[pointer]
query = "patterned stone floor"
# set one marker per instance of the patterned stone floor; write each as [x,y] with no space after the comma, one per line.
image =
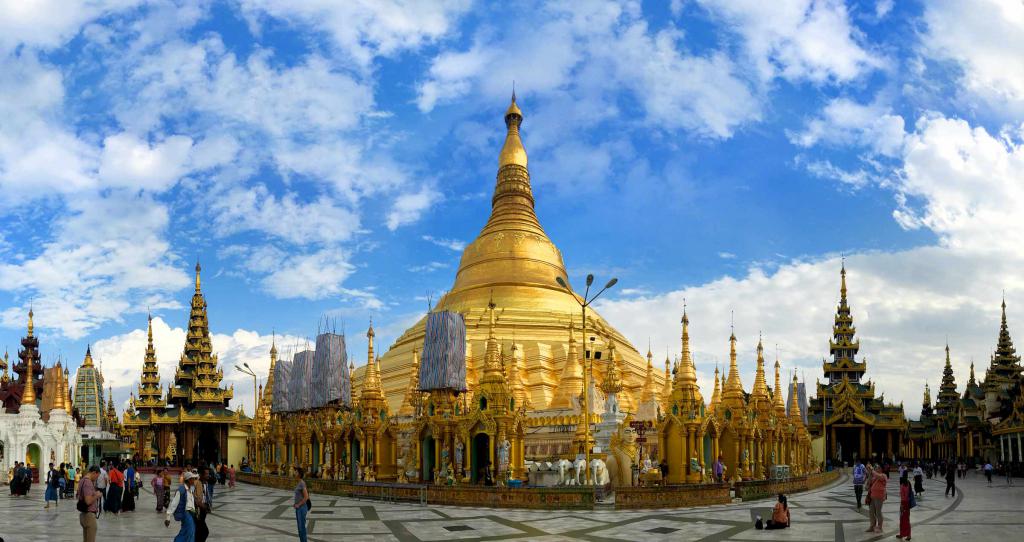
[251,514]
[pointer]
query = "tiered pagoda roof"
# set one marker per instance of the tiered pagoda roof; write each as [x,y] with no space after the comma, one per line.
[843,347]
[150,393]
[946,403]
[1004,372]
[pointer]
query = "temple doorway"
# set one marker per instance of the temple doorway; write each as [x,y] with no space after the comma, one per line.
[33,455]
[847,446]
[480,457]
[315,464]
[207,446]
[428,452]
[354,453]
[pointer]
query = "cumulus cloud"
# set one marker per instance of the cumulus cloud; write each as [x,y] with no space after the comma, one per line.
[408,207]
[590,50]
[108,257]
[364,30]
[984,38]
[129,162]
[810,40]
[844,122]
[50,23]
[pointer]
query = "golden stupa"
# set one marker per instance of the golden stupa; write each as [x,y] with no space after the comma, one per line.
[514,264]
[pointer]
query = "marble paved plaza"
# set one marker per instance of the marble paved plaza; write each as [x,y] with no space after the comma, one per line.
[253,513]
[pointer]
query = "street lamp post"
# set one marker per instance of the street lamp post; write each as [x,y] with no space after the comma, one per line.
[255,407]
[585,302]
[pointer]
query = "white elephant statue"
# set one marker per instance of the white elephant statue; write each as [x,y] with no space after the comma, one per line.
[564,467]
[579,476]
[599,472]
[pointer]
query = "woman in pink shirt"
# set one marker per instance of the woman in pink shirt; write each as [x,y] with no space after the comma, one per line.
[876,492]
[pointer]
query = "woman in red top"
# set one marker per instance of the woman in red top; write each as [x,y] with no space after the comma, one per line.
[114,491]
[876,492]
[904,509]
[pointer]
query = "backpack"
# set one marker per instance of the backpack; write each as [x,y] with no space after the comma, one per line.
[913,501]
[309,504]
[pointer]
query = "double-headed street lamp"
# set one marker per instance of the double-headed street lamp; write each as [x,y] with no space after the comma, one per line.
[585,302]
[255,407]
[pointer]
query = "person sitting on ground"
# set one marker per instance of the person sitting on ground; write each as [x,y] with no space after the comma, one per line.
[780,515]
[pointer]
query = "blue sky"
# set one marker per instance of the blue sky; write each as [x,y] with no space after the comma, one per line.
[325,158]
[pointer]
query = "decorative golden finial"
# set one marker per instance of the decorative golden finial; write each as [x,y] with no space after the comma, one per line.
[842,287]
[32,327]
[780,405]
[760,390]
[513,151]
[198,269]
[28,394]
[58,389]
[794,405]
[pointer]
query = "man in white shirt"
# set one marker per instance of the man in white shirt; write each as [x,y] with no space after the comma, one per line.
[102,481]
[183,507]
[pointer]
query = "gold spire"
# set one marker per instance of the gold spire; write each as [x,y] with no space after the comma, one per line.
[687,371]
[927,396]
[716,396]
[972,381]
[68,406]
[666,389]
[780,405]
[647,393]
[612,382]
[32,327]
[412,390]
[88,356]
[28,394]
[760,391]
[58,391]
[513,151]
[198,269]
[732,391]
[571,383]
[794,404]
[842,286]
[6,376]
[371,377]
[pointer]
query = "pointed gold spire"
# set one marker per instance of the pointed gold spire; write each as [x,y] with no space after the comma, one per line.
[512,152]
[32,326]
[58,390]
[794,404]
[780,404]
[88,356]
[371,377]
[760,391]
[732,391]
[570,386]
[716,395]
[28,393]
[927,402]
[612,381]
[198,269]
[647,393]
[68,405]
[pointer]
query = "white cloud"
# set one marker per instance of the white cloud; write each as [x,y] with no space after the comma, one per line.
[450,244]
[811,40]
[883,7]
[365,30]
[130,162]
[317,275]
[408,207]
[727,255]
[49,23]
[985,38]
[108,257]
[586,54]
[122,356]
[255,208]
[428,267]
[844,122]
